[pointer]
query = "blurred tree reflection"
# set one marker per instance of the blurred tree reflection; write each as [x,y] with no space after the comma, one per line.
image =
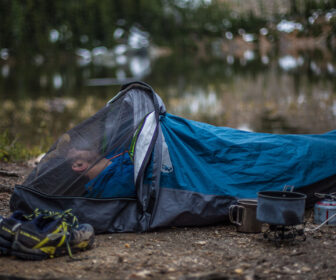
[228,58]
[30,27]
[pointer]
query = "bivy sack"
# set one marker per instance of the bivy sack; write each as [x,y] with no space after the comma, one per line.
[132,167]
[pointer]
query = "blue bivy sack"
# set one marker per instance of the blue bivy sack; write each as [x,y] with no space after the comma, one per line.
[133,167]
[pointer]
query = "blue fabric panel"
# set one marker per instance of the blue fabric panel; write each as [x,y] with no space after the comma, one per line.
[226,161]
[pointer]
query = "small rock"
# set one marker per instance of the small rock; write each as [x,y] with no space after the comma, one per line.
[201,242]
[305,269]
[249,277]
[238,271]
[171,269]
[324,265]
[143,273]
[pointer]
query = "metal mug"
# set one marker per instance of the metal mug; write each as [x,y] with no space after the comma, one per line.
[245,218]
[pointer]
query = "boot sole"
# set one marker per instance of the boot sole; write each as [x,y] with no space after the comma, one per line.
[22,252]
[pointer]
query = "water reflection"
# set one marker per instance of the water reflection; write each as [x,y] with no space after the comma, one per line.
[289,26]
[289,62]
[249,91]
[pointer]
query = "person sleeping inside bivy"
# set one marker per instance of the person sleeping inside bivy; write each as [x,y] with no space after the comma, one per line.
[110,176]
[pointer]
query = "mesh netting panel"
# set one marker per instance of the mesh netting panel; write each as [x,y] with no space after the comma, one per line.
[95,159]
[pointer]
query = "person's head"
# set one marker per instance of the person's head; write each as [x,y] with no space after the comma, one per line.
[87,161]
[81,160]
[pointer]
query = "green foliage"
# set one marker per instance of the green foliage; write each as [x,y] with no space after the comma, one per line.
[26,26]
[11,150]
[88,23]
[78,23]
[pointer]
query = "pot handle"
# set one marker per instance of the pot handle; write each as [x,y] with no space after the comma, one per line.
[232,220]
[286,187]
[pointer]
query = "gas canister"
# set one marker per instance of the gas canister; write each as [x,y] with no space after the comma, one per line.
[325,208]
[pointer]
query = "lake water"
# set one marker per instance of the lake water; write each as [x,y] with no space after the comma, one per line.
[278,93]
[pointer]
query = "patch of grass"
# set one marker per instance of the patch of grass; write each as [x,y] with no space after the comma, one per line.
[11,150]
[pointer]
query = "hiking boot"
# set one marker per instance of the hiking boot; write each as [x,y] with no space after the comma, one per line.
[8,228]
[49,236]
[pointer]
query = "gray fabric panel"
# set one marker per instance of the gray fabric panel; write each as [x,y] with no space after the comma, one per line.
[162,107]
[143,142]
[156,174]
[157,166]
[148,193]
[185,208]
[119,215]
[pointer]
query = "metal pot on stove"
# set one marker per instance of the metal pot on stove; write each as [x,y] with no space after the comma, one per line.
[281,207]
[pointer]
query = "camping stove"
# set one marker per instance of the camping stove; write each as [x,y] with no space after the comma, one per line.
[281,233]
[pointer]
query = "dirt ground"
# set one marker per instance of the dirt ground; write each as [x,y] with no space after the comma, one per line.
[215,252]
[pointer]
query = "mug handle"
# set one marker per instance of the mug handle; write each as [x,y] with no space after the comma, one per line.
[232,220]
[288,188]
